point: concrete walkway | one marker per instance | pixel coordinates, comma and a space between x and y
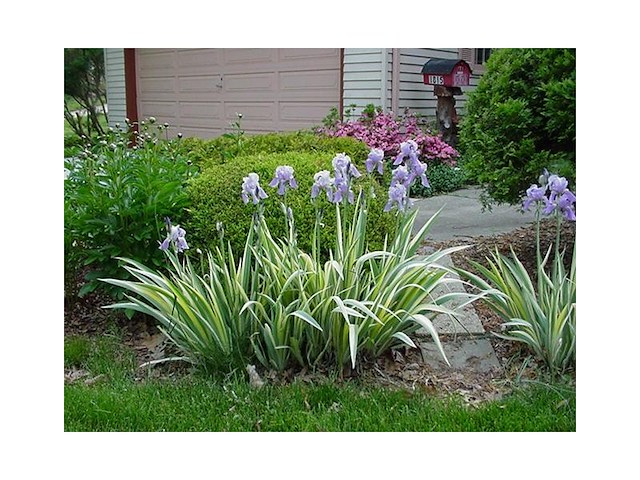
465, 341
462, 216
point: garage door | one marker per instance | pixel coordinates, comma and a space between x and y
200, 91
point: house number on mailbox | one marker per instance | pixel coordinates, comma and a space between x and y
436, 80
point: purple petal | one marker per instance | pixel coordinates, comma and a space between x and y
182, 244
369, 165
569, 214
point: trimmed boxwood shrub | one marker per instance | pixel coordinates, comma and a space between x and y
222, 149
215, 197
520, 120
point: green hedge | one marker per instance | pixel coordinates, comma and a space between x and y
215, 197
205, 153
520, 120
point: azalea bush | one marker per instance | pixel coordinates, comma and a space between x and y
116, 194
540, 313
386, 131
282, 305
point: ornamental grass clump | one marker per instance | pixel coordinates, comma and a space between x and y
540, 314
282, 306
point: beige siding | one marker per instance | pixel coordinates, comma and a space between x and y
200, 91
366, 70
414, 94
116, 91
363, 78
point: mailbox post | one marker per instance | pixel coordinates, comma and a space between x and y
447, 76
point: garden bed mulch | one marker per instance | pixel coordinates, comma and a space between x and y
402, 369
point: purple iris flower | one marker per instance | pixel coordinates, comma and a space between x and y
418, 170
374, 160
322, 181
176, 238
283, 177
251, 188
342, 190
558, 184
397, 197
401, 175
344, 167
407, 149
564, 203
534, 194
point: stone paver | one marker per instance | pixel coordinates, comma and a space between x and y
463, 354
467, 320
462, 218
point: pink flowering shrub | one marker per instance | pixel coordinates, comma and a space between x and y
385, 131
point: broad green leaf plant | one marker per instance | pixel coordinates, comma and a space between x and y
282, 306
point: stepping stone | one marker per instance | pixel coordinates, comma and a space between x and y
468, 355
467, 321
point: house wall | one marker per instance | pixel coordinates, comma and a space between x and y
186, 84
116, 90
365, 81
373, 75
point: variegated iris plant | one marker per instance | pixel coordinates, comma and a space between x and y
281, 305
542, 314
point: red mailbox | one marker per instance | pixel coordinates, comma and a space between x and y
446, 73
447, 76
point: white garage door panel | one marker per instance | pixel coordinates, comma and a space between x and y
156, 63
292, 112
274, 89
199, 84
249, 57
202, 115
162, 109
198, 62
243, 83
250, 112
321, 84
149, 86
309, 58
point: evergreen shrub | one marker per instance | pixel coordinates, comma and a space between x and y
520, 120
215, 202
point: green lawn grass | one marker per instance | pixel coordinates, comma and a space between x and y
195, 403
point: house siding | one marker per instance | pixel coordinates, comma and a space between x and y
417, 96
364, 80
116, 88
369, 77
